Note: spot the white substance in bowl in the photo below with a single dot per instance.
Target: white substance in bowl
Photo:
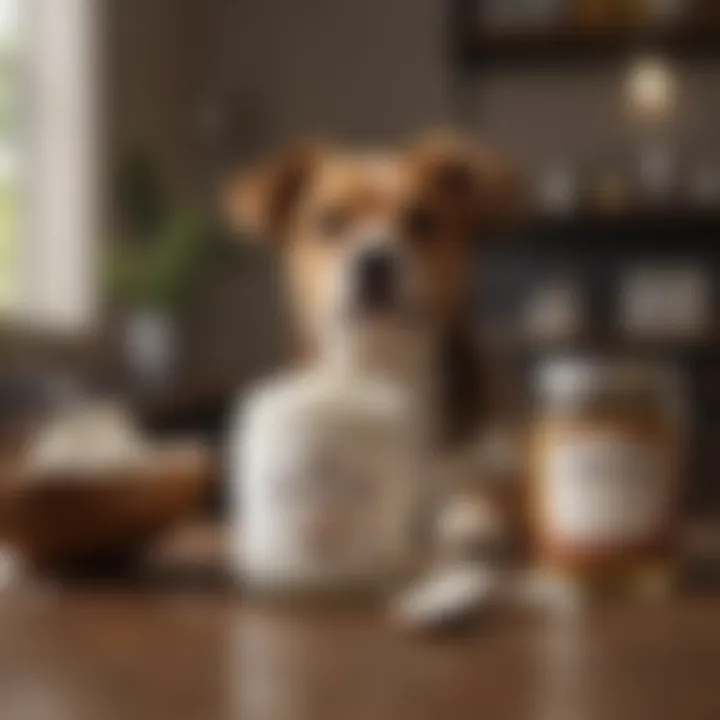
(88, 443)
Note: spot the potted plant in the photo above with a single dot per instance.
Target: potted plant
(153, 269)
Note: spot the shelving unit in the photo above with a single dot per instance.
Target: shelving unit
(604, 243)
(577, 44)
(658, 228)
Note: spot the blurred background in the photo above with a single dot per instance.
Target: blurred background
(130, 320)
(117, 119)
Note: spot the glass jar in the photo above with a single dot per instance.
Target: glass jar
(325, 486)
(605, 473)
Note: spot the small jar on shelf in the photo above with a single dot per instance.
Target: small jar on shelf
(611, 187)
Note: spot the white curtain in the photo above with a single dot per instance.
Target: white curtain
(60, 278)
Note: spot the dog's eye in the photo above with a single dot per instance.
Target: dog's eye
(421, 225)
(332, 222)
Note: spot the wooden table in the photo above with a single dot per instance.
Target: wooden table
(195, 648)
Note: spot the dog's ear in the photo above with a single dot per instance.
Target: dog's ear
(481, 185)
(261, 202)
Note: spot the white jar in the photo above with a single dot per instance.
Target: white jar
(325, 484)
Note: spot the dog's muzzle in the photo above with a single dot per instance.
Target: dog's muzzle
(376, 281)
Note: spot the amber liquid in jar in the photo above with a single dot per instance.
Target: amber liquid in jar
(605, 472)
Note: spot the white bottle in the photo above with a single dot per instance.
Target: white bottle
(324, 470)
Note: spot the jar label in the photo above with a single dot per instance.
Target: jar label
(607, 491)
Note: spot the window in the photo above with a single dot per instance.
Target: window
(9, 150)
(48, 163)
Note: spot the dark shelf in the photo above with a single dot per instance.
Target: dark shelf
(696, 229)
(612, 343)
(573, 44)
(669, 219)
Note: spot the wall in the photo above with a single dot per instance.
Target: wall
(358, 70)
(369, 71)
(156, 69)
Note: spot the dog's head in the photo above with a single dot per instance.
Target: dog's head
(385, 239)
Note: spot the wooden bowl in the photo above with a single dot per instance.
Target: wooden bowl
(69, 520)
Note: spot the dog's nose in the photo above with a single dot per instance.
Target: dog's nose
(376, 279)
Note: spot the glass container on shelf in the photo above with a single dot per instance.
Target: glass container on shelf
(671, 302)
(557, 189)
(556, 310)
(658, 174)
(611, 186)
(612, 192)
(704, 184)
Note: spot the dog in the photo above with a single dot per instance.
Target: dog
(379, 252)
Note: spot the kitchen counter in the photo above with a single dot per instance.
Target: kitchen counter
(183, 644)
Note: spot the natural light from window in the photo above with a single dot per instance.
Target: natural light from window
(49, 177)
(9, 147)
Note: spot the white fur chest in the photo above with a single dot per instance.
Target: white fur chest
(325, 478)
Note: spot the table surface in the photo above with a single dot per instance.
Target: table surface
(192, 648)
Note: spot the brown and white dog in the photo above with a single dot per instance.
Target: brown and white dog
(379, 251)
